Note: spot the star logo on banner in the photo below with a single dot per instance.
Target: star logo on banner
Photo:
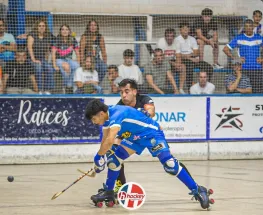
(229, 119)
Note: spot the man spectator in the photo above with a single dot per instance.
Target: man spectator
(128, 69)
(111, 80)
(249, 45)
(203, 86)
(187, 48)
(205, 30)
(238, 82)
(17, 75)
(157, 72)
(167, 44)
(7, 45)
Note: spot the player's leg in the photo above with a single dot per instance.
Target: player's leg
(173, 167)
(114, 161)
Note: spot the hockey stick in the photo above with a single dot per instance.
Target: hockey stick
(89, 173)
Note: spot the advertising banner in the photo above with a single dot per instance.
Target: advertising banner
(182, 118)
(236, 118)
(46, 120)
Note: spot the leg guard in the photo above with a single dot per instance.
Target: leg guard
(170, 164)
(115, 159)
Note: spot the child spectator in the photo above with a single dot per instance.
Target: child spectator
(86, 78)
(128, 69)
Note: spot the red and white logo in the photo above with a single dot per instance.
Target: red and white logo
(131, 196)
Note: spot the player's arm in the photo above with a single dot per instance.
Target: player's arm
(150, 108)
(108, 139)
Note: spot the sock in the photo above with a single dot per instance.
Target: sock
(121, 176)
(186, 178)
(112, 176)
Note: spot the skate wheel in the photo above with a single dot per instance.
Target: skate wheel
(210, 192)
(211, 201)
(99, 204)
(110, 204)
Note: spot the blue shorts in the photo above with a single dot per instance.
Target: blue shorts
(155, 146)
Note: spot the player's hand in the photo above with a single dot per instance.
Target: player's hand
(99, 160)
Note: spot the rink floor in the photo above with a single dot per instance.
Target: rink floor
(238, 187)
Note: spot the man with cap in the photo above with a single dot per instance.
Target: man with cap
(238, 82)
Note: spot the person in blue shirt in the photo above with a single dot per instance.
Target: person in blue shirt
(139, 132)
(249, 47)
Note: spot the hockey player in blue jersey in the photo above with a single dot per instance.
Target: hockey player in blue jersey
(139, 132)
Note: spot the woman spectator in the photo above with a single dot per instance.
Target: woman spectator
(86, 78)
(92, 43)
(39, 43)
(62, 51)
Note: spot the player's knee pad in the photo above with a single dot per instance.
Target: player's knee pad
(116, 158)
(114, 163)
(170, 164)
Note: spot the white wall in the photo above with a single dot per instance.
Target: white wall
(133, 6)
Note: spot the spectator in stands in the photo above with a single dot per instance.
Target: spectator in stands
(257, 17)
(111, 80)
(7, 45)
(167, 44)
(62, 51)
(128, 69)
(92, 44)
(39, 43)
(258, 27)
(157, 72)
(203, 86)
(187, 48)
(19, 75)
(238, 82)
(205, 30)
(249, 45)
(86, 78)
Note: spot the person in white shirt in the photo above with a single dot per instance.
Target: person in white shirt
(86, 79)
(187, 48)
(128, 69)
(167, 44)
(203, 86)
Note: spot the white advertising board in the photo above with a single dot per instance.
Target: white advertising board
(182, 118)
(236, 118)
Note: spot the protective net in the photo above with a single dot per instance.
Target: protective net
(84, 53)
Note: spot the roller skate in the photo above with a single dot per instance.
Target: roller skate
(201, 194)
(104, 195)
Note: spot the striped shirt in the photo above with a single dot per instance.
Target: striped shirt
(244, 82)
